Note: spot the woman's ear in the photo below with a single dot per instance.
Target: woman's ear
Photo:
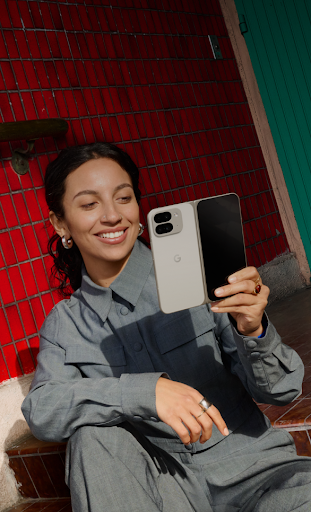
(59, 225)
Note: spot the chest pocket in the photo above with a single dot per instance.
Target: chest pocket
(95, 363)
(189, 347)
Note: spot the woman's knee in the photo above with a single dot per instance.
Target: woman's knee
(92, 447)
(90, 441)
(89, 434)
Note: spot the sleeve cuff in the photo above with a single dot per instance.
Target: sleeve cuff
(259, 345)
(138, 398)
(262, 335)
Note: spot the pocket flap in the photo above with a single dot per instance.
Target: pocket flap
(290, 361)
(184, 327)
(81, 355)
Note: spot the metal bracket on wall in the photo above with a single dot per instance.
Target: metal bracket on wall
(215, 47)
(243, 25)
(21, 157)
(30, 131)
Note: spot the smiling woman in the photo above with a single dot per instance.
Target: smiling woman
(101, 217)
(158, 410)
(92, 193)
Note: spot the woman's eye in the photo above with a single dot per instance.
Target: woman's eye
(125, 199)
(88, 206)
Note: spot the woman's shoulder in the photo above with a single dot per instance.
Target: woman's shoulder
(58, 317)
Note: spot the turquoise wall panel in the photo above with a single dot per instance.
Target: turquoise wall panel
(279, 43)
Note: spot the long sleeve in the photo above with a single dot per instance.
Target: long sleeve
(62, 400)
(271, 371)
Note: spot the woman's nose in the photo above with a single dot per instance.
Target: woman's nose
(111, 216)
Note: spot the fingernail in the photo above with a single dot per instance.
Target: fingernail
(226, 432)
(219, 291)
(231, 279)
(214, 308)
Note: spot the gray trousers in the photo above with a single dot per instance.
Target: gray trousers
(116, 469)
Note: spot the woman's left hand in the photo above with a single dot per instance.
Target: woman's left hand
(242, 302)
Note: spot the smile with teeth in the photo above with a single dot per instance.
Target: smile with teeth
(116, 234)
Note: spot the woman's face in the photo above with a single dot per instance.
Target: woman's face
(101, 213)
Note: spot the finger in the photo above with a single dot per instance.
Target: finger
(247, 293)
(252, 313)
(212, 415)
(207, 427)
(198, 424)
(240, 310)
(245, 273)
(181, 431)
(187, 428)
(245, 286)
(241, 299)
(192, 424)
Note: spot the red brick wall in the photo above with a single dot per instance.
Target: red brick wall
(139, 73)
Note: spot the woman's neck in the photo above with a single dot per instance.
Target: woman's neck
(105, 273)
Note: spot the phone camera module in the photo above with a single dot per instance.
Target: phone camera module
(162, 217)
(164, 228)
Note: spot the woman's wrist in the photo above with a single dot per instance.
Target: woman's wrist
(256, 333)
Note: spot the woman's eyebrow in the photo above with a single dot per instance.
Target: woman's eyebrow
(85, 192)
(94, 192)
(123, 185)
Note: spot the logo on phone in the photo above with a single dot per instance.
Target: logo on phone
(177, 258)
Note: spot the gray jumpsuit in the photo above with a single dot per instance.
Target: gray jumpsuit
(101, 354)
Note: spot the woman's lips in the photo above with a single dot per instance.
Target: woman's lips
(113, 241)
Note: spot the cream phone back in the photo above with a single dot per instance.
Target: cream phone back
(176, 255)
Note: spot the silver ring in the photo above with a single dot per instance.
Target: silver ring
(205, 404)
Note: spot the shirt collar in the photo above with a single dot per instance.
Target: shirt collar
(128, 285)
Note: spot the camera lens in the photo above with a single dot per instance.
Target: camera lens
(162, 217)
(164, 228)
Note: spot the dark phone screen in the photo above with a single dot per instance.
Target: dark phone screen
(220, 226)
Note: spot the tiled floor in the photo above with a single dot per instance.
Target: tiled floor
(292, 319)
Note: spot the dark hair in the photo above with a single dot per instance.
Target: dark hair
(67, 263)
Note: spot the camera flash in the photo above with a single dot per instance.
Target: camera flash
(175, 214)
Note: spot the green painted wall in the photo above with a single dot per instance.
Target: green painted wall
(279, 44)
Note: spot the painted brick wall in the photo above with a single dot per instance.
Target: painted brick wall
(140, 73)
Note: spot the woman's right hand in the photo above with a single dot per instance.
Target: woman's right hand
(178, 406)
